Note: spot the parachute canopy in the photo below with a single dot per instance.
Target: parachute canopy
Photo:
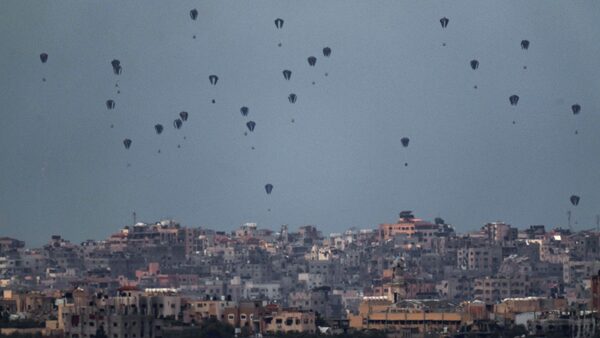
(116, 66)
(183, 115)
(514, 99)
(287, 74)
(194, 14)
(474, 64)
(278, 23)
(127, 143)
(244, 111)
(525, 44)
(312, 61)
(268, 188)
(292, 98)
(213, 79)
(159, 128)
(177, 123)
(444, 22)
(576, 108)
(405, 141)
(43, 57)
(326, 52)
(574, 200)
(251, 125)
(110, 104)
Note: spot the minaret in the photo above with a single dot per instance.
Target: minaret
(283, 234)
(398, 281)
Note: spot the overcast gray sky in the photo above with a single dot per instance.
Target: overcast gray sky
(63, 170)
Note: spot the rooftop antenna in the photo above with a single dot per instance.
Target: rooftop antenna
(569, 219)
(134, 218)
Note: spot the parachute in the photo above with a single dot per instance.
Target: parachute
(576, 108)
(474, 64)
(183, 115)
(514, 99)
(110, 104)
(312, 61)
(405, 141)
(244, 111)
(159, 128)
(251, 125)
(194, 14)
(574, 200)
(268, 188)
(177, 123)
(278, 23)
(326, 52)
(525, 44)
(292, 98)
(213, 79)
(287, 74)
(116, 66)
(127, 143)
(444, 22)
(43, 57)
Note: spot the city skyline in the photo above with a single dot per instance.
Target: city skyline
(277, 229)
(411, 277)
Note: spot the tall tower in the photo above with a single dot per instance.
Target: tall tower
(283, 234)
(596, 293)
(398, 285)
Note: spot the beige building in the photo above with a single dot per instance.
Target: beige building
(378, 313)
(510, 307)
(492, 289)
(290, 320)
(198, 310)
(130, 314)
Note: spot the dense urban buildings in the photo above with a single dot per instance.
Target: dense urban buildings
(412, 278)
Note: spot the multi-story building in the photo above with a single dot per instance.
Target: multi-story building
(486, 259)
(289, 320)
(382, 314)
(595, 288)
(492, 289)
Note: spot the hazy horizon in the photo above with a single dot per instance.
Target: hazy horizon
(340, 164)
